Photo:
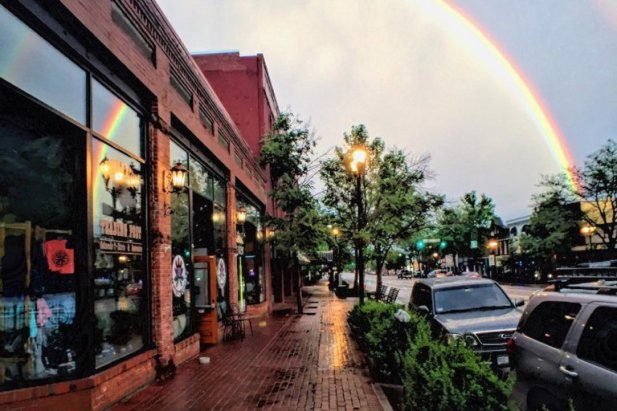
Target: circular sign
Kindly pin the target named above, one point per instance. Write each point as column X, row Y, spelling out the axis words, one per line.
column 221, row 273
column 179, row 277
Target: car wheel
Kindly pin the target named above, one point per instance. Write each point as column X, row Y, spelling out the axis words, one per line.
column 539, row 399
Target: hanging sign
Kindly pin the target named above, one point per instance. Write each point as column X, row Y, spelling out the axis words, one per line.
column 179, row 277
column 221, row 273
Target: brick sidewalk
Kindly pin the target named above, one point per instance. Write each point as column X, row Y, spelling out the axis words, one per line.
column 297, row 362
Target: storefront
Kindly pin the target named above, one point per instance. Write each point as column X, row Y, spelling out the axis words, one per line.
column 102, row 252
column 250, row 259
column 71, row 186
column 198, row 228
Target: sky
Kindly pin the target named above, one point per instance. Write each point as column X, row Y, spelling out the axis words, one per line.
column 497, row 92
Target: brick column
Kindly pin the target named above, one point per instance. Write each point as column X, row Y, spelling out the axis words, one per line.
column 232, row 247
column 160, row 242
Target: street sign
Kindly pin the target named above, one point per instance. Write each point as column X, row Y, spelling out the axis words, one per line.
column 473, row 244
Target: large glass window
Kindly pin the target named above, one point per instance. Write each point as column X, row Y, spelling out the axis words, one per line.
column 550, row 322
column 114, row 119
column 598, row 343
column 39, row 241
column 120, row 305
column 33, row 65
column 251, row 284
column 198, row 228
column 181, row 252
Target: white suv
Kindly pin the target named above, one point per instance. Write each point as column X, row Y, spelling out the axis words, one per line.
column 565, row 348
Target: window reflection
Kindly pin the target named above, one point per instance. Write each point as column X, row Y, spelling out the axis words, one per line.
column 33, row 65
column 119, row 277
column 114, row 119
column 38, row 245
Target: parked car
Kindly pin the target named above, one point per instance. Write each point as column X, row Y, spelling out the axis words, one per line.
column 404, row 274
column 565, row 348
column 477, row 310
column 439, row 273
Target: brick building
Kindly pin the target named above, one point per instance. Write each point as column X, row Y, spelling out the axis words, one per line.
column 245, row 89
column 110, row 267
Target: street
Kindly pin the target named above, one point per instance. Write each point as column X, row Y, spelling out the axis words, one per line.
column 405, row 285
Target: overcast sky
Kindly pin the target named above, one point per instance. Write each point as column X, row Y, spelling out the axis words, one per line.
column 423, row 83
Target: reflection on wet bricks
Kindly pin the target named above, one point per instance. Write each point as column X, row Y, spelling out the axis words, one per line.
column 294, row 363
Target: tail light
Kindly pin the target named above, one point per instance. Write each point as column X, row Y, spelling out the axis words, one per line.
column 510, row 345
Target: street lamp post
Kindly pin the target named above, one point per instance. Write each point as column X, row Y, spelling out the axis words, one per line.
column 358, row 169
column 492, row 246
column 336, row 232
column 587, row 231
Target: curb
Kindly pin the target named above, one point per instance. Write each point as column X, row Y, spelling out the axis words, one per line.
column 381, row 396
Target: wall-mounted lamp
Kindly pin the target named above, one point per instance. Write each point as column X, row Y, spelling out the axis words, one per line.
column 175, row 179
column 241, row 215
column 218, row 216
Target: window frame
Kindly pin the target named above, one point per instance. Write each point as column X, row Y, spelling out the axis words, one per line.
column 562, row 345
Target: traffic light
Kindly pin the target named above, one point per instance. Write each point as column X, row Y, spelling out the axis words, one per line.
column 420, row 245
column 443, row 244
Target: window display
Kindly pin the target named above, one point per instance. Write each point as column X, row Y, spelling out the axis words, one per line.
column 119, row 277
column 181, row 252
column 250, row 275
column 198, row 228
column 38, row 233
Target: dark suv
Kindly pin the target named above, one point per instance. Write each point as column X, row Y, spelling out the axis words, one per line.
column 477, row 310
column 565, row 348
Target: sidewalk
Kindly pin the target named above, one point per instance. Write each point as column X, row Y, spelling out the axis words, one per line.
column 291, row 363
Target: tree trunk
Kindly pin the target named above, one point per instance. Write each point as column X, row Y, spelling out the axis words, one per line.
column 379, row 266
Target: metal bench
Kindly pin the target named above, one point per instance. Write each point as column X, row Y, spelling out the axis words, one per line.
column 380, row 294
column 392, row 295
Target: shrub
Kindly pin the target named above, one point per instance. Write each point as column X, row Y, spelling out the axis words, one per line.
column 440, row 376
column 382, row 337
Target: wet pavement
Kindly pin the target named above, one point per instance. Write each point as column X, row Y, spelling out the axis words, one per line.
column 291, row 363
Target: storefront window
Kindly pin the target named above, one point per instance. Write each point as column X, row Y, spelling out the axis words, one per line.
column 250, row 272
column 119, row 271
column 33, row 65
column 181, row 252
column 114, row 119
column 39, row 242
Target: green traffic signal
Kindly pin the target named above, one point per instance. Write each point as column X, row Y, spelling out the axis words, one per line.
column 420, row 245
column 443, row 244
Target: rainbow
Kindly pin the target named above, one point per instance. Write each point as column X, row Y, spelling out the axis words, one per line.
column 113, row 121
column 478, row 39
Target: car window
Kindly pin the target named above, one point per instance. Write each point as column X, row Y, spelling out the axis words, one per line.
column 421, row 295
column 470, row 298
column 550, row 322
column 598, row 343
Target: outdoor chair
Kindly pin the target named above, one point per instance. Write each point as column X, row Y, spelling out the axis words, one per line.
column 380, row 294
column 392, row 295
column 233, row 322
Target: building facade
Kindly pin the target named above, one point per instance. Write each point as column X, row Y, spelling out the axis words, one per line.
column 101, row 251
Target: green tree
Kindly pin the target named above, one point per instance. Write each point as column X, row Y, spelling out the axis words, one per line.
column 473, row 219
column 300, row 228
column 551, row 230
column 596, row 189
column 395, row 206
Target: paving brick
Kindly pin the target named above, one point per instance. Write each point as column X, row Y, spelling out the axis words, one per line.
column 297, row 362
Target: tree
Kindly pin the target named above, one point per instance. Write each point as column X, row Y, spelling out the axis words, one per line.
column 472, row 220
column 551, row 230
column 287, row 150
column 596, row 189
column 395, row 206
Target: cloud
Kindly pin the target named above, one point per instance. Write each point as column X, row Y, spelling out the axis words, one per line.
column 394, row 68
